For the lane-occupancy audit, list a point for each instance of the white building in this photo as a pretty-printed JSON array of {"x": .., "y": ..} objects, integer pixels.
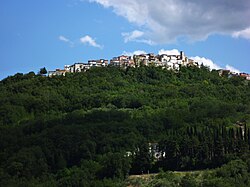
[
  {"x": 80, "y": 67},
  {"x": 154, "y": 151},
  {"x": 57, "y": 72},
  {"x": 174, "y": 61},
  {"x": 122, "y": 61},
  {"x": 98, "y": 63}
]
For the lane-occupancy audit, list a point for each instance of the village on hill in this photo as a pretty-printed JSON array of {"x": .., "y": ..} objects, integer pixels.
[{"x": 168, "y": 61}]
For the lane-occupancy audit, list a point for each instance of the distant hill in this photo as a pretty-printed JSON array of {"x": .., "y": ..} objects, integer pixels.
[{"x": 96, "y": 127}]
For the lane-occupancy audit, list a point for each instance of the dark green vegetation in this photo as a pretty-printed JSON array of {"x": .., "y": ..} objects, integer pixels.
[
  {"x": 235, "y": 173},
  {"x": 43, "y": 71},
  {"x": 77, "y": 130}
]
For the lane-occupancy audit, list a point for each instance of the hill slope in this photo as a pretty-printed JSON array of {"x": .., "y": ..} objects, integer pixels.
[{"x": 81, "y": 128}]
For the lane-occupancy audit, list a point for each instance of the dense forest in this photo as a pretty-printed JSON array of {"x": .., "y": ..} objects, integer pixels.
[{"x": 95, "y": 128}]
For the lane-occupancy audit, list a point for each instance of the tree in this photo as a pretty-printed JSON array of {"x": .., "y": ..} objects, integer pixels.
[
  {"x": 115, "y": 165},
  {"x": 142, "y": 161},
  {"x": 235, "y": 170},
  {"x": 188, "y": 181},
  {"x": 43, "y": 71}
]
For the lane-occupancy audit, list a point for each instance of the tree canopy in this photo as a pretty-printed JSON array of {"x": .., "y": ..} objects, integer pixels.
[{"x": 95, "y": 128}]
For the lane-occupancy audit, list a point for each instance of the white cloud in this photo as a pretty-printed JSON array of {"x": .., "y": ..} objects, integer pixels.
[
  {"x": 212, "y": 65},
  {"x": 232, "y": 69},
  {"x": 66, "y": 40},
  {"x": 162, "y": 51},
  {"x": 206, "y": 62},
  {"x": 164, "y": 21},
  {"x": 169, "y": 52},
  {"x": 242, "y": 34},
  {"x": 132, "y": 36},
  {"x": 90, "y": 41},
  {"x": 149, "y": 42},
  {"x": 136, "y": 36},
  {"x": 138, "y": 52},
  {"x": 63, "y": 38}
]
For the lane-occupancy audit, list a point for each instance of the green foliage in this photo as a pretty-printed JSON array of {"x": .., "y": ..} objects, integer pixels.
[
  {"x": 94, "y": 128},
  {"x": 188, "y": 181},
  {"x": 235, "y": 172},
  {"x": 43, "y": 71}
]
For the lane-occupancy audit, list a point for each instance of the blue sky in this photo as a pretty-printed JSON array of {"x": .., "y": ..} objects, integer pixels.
[{"x": 53, "y": 33}]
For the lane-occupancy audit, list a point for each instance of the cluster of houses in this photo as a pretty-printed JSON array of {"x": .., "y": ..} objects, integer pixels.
[
  {"x": 78, "y": 67},
  {"x": 168, "y": 61},
  {"x": 153, "y": 151},
  {"x": 165, "y": 60},
  {"x": 230, "y": 74}
]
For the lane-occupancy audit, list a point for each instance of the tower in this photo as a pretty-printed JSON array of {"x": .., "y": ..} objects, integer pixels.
[{"x": 182, "y": 55}]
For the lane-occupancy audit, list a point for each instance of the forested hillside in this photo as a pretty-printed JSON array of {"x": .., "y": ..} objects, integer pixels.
[{"x": 94, "y": 128}]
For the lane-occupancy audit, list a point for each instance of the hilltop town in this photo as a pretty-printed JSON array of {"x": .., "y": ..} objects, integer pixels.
[
  {"x": 168, "y": 61},
  {"x": 109, "y": 121}
]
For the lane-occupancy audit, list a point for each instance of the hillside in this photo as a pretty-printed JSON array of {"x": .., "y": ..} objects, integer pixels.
[{"x": 95, "y": 128}]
